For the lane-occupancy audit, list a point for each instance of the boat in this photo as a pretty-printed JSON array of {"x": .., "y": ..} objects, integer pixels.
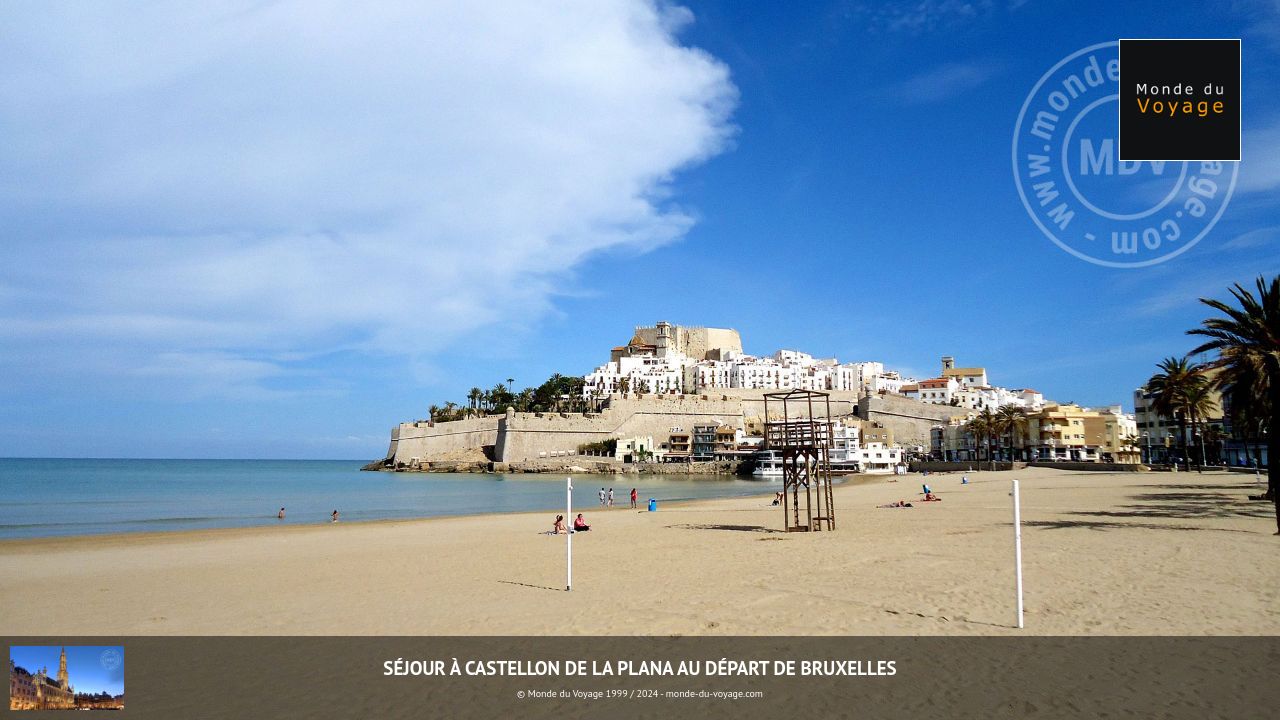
[{"x": 768, "y": 465}]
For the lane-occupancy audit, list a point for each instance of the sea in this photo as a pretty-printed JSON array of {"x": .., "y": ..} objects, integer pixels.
[{"x": 60, "y": 497}]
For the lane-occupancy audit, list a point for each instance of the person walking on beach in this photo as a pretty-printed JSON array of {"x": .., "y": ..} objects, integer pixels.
[
  {"x": 280, "y": 515},
  {"x": 601, "y": 497},
  {"x": 610, "y": 497},
  {"x": 634, "y": 498}
]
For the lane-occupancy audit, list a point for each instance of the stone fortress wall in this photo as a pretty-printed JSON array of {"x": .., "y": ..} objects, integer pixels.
[
  {"x": 910, "y": 420},
  {"x": 424, "y": 441},
  {"x": 528, "y": 436},
  {"x": 517, "y": 437}
]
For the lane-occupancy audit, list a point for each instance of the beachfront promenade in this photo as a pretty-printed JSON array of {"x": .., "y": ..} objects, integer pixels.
[{"x": 1134, "y": 553}]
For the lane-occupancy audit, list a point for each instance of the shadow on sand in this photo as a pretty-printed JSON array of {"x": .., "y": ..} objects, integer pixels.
[
  {"x": 1182, "y": 502},
  {"x": 535, "y": 587},
  {"x": 718, "y": 526}
]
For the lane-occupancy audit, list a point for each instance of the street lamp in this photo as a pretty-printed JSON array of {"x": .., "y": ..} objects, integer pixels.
[
  {"x": 1146, "y": 437},
  {"x": 1200, "y": 440}
]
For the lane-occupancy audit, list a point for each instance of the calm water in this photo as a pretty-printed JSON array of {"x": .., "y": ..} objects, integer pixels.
[{"x": 83, "y": 497}]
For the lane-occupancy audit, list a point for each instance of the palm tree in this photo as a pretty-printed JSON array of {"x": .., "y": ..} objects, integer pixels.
[
  {"x": 992, "y": 425},
  {"x": 1245, "y": 405},
  {"x": 1178, "y": 377},
  {"x": 1213, "y": 435},
  {"x": 501, "y": 398},
  {"x": 1012, "y": 419},
  {"x": 474, "y": 396},
  {"x": 1247, "y": 340},
  {"x": 983, "y": 428},
  {"x": 524, "y": 401},
  {"x": 1199, "y": 406}
]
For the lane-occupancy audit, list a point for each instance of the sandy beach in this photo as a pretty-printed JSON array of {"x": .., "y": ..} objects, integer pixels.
[{"x": 1105, "y": 554}]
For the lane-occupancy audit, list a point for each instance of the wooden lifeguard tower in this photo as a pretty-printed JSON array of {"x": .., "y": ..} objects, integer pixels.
[{"x": 803, "y": 441}]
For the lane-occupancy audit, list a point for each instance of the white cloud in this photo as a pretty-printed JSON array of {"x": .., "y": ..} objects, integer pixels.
[
  {"x": 297, "y": 177},
  {"x": 1260, "y": 161},
  {"x": 1172, "y": 287},
  {"x": 945, "y": 82},
  {"x": 920, "y": 16}
]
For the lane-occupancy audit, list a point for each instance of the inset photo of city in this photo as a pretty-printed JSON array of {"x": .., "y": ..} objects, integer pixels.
[{"x": 73, "y": 677}]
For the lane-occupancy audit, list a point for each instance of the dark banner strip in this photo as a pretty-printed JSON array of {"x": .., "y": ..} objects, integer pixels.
[{"x": 740, "y": 678}]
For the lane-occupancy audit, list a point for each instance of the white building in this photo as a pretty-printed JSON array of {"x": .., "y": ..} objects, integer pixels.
[
  {"x": 885, "y": 382},
  {"x": 967, "y": 377},
  {"x": 1031, "y": 399},
  {"x": 937, "y": 391},
  {"x": 845, "y": 443},
  {"x": 877, "y": 458},
  {"x": 652, "y": 365},
  {"x": 993, "y": 398}
]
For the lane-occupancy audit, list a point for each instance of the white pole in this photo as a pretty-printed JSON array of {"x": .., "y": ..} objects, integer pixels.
[
  {"x": 1017, "y": 547},
  {"x": 568, "y": 538}
]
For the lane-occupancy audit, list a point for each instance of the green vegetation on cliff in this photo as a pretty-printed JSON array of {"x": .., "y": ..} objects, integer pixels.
[{"x": 560, "y": 393}]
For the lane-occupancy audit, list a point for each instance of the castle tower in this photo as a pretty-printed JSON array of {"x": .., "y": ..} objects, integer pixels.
[
  {"x": 62, "y": 670},
  {"x": 948, "y": 363}
]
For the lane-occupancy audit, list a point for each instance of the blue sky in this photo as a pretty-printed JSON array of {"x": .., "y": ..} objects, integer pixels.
[
  {"x": 86, "y": 669},
  {"x": 278, "y": 229}
]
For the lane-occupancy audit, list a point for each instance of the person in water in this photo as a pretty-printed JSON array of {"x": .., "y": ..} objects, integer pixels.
[
  {"x": 280, "y": 515},
  {"x": 580, "y": 525},
  {"x": 335, "y": 516}
]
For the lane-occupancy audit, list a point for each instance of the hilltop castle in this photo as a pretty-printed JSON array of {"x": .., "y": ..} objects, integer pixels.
[{"x": 668, "y": 381}]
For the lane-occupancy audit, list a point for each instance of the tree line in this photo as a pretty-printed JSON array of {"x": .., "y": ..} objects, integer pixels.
[
  {"x": 560, "y": 393},
  {"x": 990, "y": 429},
  {"x": 1245, "y": 371}
]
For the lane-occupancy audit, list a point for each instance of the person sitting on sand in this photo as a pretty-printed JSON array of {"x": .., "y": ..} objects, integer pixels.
[
  {"x": 280, "y": 515},
  {"x": 930, "y": 497},
  {"x": 777, "y": 498},
  {"x": 580, "y": 525},
  {"x": 559, "y": 528},
  {"x": 334, "y": 517}
]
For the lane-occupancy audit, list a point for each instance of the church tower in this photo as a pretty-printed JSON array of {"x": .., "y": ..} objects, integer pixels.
[
  {"x": 62, "y": 671},
  {"x": 663, "y": 341}
]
